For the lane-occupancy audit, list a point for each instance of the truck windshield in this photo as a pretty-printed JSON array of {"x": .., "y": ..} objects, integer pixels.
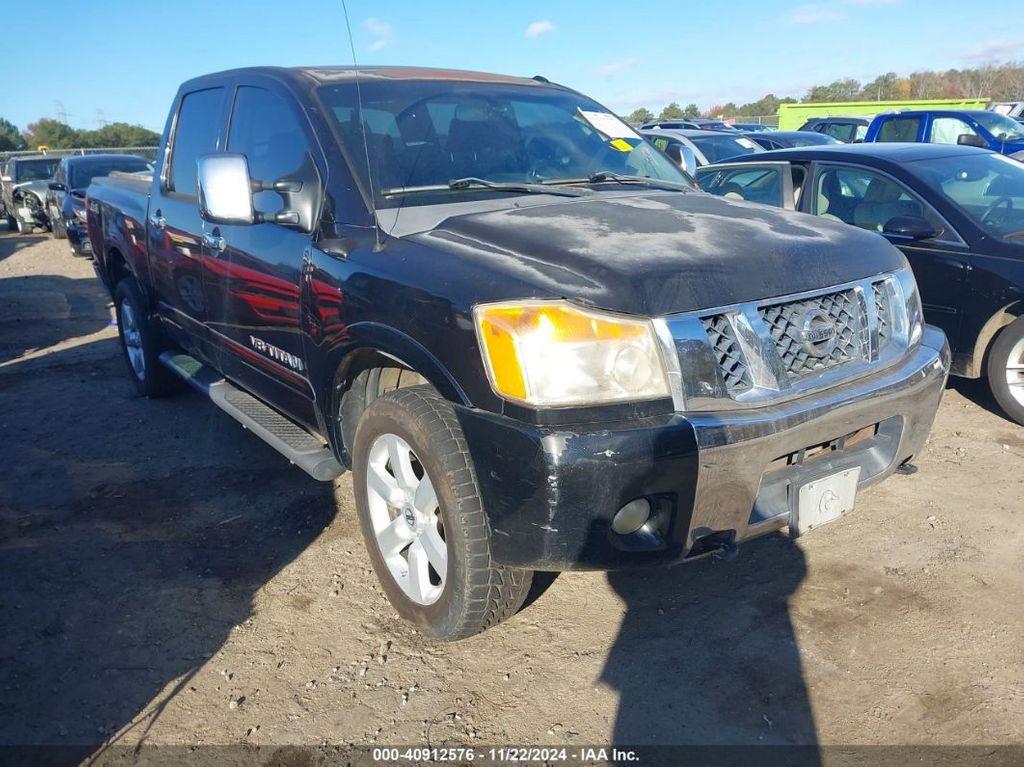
[
  {"x": 35, "y": 170},
  {"x": 1000, "y": 126},
  {"x": 423, "y": 134}
]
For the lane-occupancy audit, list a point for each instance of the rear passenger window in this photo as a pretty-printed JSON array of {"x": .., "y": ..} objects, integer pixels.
[
  {"x": 195, "y": 134},
  {"x": 264, "y": 128},
  {"x": 899, "y": 129}
]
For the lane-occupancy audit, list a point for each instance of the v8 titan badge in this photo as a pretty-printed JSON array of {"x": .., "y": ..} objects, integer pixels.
[{"x": 824, "y": 500}]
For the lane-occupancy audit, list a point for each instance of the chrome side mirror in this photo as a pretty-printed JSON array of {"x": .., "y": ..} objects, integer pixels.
[{"x": 225, "y": 189}]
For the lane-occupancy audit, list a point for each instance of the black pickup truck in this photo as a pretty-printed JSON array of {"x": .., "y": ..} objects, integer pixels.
[{"x": 533, "y": 341}]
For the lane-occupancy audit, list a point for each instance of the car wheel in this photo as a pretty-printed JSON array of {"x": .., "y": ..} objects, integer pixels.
[
  {"x": 24, "y": 227},
  {"x": 60, "y": 229},
  {"x": 142, "y": 342},
  {"x": 423, "y": 520},
  {"x": 1006, "y": 370}
]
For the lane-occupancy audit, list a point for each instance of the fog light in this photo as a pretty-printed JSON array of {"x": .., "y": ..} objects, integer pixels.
[{"x": 631, "y": 517}]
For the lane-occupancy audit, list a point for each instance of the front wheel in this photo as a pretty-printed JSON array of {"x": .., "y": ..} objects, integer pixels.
[
  {"x": 24, "y": 227},
  {"x": 59, "y": 228},
  {"x": 1006, "y": 369},
  {"x": 423, "y": 519}
]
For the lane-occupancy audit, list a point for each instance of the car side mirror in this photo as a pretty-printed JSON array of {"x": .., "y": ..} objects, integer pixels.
[
  {"x": 971, "y": 139},
  {"x": 56, "y": 186},
  {"x": 912, "y": 227},
  {"x": 225, "y": 189}
]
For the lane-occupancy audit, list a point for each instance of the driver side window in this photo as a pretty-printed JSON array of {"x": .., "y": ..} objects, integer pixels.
[
  {"x": 866, "y": 199},
  {"x": 947, "y": 130}
]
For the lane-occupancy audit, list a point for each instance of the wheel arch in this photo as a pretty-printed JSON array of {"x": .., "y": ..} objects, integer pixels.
[
  {"x": 976, "y": 364},
  {"x": 375, "y": 359}
]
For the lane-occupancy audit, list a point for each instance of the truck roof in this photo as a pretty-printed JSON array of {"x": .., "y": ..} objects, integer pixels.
[{"x": 333, "y": 74}]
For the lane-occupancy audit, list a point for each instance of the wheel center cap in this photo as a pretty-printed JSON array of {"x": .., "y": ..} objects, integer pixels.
[{"x": 410, "y": 517}]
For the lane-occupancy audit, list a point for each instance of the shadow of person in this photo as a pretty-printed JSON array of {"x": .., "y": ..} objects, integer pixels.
[{"x": 707, "y": 653}]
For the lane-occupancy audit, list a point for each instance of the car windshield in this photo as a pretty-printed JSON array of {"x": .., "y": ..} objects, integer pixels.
[
  {"x": 82, "y": 173},
  {"x": 987, "y": 187},
  {"x": 721, "y": 146},
  {"x": 1000, "y": 126},
  {"x": 35, "y": 170},
  {"x": 424, "y": 134}
]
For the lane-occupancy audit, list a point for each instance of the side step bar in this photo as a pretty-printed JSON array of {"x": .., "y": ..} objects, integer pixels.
[{"x": 305, "y": 450}]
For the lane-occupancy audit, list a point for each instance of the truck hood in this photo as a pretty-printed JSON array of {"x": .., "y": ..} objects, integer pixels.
[{"x": 661, "y": 253}]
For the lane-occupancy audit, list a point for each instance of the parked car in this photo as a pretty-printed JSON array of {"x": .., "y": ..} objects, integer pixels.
[
  {"x": 65, "y": 198},
  {"x": 24, "y": 189},
  {"x": 1013, "y": 109},
  {"x": 707, "y": 146},
  {"x": 957, "y": 213},
  {"x": 849, "y": 130},
  {"x": 694, "y": 123},
  {"x": 670, "y": 125},
  {"x": 979, "y": 128},
  {"x": 787, "y": 139},
  {"x": 535, "y": 345}
]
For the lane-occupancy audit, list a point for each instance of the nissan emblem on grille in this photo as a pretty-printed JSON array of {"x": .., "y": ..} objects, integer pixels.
[{"x": 818, "y": 333}]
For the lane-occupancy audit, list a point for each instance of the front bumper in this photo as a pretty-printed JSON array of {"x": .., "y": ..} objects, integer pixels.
[
  {"x": 78, "y": 238},
  {"x": 550, "y": 493}
]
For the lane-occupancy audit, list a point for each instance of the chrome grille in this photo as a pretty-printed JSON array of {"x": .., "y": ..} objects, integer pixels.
[
  {"x": 883, "y": 311},
  {"x": 785, "y": 323},
  {"x": 728, "y": 353}
]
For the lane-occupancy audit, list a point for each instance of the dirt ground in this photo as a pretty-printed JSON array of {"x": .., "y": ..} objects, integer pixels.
[{"x": 166, "y": 578}]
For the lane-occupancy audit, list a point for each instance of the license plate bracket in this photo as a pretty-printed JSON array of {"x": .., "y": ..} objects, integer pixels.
[{"x": 823, "y": 500}]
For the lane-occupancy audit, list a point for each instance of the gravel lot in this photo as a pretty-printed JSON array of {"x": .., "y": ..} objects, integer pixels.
[{"x": 168, "y": 579}]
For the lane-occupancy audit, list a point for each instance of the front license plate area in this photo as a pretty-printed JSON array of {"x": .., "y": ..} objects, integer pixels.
[{"x": 822, "y": 500}]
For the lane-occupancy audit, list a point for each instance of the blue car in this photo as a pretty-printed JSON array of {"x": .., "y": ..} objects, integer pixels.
[{"x": 980, "y": 128}]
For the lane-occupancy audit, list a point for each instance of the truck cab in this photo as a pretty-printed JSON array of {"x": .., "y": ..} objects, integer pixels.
[{"x": 980, "y": 128}]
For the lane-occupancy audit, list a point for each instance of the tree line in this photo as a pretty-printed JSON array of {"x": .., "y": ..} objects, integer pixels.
[
  {"x": 55, "y": 134},
  {"x": 998, "y": 82}
]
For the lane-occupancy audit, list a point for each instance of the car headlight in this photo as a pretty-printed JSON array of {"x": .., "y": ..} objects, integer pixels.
[
  {"x": 78, "y": 214},
  {"x": 907, "y": 289},
  {"x": 555, "y": 354}
]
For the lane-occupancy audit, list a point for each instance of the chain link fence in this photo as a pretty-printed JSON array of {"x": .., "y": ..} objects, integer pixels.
[{"x": 147, "y": 152}]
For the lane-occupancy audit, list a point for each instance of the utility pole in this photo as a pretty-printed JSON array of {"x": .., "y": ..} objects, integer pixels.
[
  {"x": 101, "y": 119},
  {"x": 62, "y": 113}
]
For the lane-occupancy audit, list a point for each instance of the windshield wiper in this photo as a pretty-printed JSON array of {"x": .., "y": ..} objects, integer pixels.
[
  {"x": 472, "y": 182},
  {"x": 607, "y": 176}
]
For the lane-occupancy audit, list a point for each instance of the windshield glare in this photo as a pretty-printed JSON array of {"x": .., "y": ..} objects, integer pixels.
[
  {"x": 35, "y": 170},
  {"x": 1000, "y": 126},
  {"x": 423, "y": 133},
  {"x": 987, "y": 187}
]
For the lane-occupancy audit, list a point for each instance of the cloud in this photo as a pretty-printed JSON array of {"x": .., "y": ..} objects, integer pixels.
[
  {"x": 813, "y": 13},
  {"x": 382, "y": 31},
  {"x": 996, "y": 49},
  {"x": 615, "y": 67},
  {"x": 538, "y": 28}
]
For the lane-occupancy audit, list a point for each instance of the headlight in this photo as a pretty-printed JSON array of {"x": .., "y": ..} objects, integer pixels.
[
  {"x": 78, "y": 214},
  {"x": 555, "y": 354},
  {"x": 907, "y": 289}
]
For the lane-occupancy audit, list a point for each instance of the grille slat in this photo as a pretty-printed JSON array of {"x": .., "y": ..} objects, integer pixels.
[
  {"x": 883, "y": 312},
  {"x": 731, "y": 361}
]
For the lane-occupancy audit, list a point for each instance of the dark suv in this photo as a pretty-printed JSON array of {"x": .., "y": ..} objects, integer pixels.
[{"x": 849, "y": 130}]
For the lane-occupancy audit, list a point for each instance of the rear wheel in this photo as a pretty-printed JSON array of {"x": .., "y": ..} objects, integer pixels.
[
  {"x": 142, "y": 342},
  {"x": 423, "y": 520},
  {"x": 1006, "y": 370}
]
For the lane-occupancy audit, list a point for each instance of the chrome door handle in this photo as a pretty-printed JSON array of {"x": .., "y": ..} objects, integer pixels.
[
  {"x": 215, "y": 242},
  {"x": 158, "y": 221}
]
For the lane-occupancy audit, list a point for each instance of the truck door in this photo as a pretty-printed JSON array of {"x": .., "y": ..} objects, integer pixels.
[
  {"x": 174, "y": 229},
  {"x": 258, "y": 268}
]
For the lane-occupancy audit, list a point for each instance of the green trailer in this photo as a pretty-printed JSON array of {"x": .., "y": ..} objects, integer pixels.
[{"x": 792, "y": 116}]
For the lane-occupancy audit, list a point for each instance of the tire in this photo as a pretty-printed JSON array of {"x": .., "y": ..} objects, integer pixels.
[
  {"x": 142, "y": 342},
  {"x": 23, "y": 227},
  {"x": 1006, "y": 370},
  {"x": 59, "y": 229},
  {"x": 473, "y": 593}
]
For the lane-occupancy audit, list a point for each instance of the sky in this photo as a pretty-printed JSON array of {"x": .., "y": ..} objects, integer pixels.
[{"x": 122, "y": 60}]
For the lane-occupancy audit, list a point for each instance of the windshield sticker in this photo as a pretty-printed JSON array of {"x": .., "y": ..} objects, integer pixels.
[
  {"x": 608, "y": 124},
  {"x": 621, "y": 144}
]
